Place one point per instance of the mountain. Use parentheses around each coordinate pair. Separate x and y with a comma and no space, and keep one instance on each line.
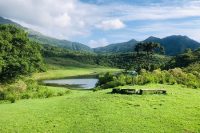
(118,47)
(38,37)
(7,21)
(153,39)
(175,44)
(59,43)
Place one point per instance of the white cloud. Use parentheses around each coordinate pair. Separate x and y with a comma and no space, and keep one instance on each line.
(68,19)
(111,24)
(98,43)
(156,12)
(58,18)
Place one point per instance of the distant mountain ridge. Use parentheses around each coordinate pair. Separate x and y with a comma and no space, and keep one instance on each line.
(173,45)
(38,37)
(118,47)
(6,21)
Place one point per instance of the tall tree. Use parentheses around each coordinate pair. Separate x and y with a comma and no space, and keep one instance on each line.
(149,47)
(18,55)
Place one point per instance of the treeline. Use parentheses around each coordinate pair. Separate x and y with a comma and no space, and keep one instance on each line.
(187,58)
(182,69)
(19,55)
(124,61)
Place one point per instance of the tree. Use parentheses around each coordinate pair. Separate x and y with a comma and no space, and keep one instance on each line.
(144,60)
(149,47)
(18,56)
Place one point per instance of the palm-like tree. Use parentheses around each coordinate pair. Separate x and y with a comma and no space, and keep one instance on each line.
(149,47)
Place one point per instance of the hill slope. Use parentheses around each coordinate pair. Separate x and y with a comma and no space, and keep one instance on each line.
(173,45)
(6,21)
(59,43)
(38,37)
(118,47)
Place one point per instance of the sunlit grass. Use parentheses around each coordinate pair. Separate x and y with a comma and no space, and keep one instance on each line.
(87,111)
(72,71)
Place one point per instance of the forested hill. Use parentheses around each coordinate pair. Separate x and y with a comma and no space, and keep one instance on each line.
(38,37)
(59,43)
(173,45)
(6,21)
(118,47)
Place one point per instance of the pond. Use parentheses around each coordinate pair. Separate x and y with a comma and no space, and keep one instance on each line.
(81,83)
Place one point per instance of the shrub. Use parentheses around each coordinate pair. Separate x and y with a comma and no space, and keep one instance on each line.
(172,76)
(105,78)
(11,98)
(26,96)
(2,95)
(111,84)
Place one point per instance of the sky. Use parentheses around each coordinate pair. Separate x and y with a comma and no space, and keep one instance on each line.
(98,23)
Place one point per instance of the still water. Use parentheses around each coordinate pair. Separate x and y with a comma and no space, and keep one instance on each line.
(85,83)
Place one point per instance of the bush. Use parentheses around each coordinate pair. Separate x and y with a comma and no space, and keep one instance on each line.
(11,98)
(112,84)
(2,95)
(26,96)
(172,76)
(103,79)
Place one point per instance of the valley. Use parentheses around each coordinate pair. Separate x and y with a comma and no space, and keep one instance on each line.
(47,84)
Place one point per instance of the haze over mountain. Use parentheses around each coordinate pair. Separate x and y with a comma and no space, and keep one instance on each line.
(117,47)
(173,45)
(38,37)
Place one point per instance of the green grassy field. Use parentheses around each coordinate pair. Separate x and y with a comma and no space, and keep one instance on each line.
(61,68)
(87,111)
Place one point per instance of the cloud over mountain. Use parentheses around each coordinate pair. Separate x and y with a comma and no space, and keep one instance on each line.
(83,19)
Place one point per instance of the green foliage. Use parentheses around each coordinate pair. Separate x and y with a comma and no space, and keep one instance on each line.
(117,48)
(173,45)
(149,47)
(18,55)
(170,77)
(28,89)
(109,80)
(94,112)
(125,61)
(185,59)
(74,46)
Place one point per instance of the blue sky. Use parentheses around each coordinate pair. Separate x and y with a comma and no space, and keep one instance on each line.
(102,22)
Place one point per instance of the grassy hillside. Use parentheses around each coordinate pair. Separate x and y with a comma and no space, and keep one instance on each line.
(86,111)
(40,38)
(59,43)
(72,71)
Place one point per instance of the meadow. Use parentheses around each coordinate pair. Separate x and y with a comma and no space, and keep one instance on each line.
(101,111)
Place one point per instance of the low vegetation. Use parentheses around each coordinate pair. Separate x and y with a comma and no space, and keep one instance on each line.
(28,89)
(170,77)
(87,111)
(24,63)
